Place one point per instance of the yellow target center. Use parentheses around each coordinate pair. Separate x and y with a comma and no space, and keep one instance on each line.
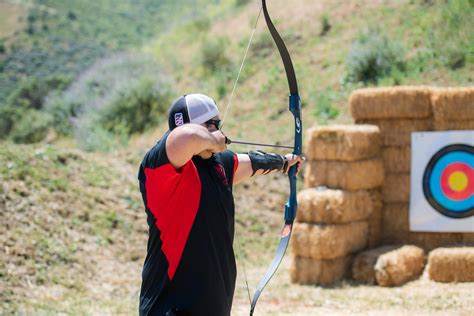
(458,181)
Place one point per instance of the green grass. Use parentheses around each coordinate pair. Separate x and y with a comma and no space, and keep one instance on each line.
(65,37)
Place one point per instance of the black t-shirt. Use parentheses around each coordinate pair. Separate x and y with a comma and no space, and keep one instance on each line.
(190,263)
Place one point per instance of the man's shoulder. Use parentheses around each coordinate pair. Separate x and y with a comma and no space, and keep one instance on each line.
(156,156)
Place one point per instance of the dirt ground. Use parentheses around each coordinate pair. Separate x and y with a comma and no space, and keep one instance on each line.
(420,297)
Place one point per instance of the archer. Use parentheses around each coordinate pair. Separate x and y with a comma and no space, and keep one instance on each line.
(186,181)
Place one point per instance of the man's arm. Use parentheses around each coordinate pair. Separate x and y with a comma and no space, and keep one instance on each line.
(245,169)
(189,140)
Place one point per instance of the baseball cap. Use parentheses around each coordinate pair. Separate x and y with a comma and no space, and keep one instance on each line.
(191,108)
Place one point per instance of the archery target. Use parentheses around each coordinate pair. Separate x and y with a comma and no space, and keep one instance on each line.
(448,181)
(442,182)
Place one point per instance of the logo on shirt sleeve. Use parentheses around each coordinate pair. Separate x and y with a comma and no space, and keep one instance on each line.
(221,172)
(178,119)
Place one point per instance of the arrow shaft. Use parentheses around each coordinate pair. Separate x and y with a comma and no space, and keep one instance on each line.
(260,144)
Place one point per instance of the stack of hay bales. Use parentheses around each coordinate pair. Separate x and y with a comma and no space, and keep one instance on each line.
(389,265)
(339,212)
(399,111)
(453,109)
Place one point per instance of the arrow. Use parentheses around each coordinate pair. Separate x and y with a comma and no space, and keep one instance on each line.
(228,142)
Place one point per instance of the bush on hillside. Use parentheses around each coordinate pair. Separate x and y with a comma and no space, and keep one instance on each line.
(241,3)
(373,56)
(32,127)
(115,98)
(325,25)
(213,55)
(30,95)
(136,109)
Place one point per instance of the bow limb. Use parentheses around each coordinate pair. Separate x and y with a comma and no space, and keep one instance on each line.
(292,204)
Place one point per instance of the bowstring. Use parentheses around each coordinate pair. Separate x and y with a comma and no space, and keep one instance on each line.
(241,259)
(229,103)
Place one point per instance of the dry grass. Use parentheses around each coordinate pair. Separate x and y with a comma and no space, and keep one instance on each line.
(9,18)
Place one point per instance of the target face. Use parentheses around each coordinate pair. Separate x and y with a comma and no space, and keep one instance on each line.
(448,181)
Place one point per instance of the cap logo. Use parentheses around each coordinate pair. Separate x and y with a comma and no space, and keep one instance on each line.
(178,119)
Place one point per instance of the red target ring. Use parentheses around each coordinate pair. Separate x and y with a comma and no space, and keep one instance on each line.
(457,181)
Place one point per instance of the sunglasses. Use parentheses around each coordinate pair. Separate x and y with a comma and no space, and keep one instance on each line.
(216,123)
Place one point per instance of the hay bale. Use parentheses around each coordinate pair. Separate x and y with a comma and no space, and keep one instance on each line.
(455,125)
(328,241)
(374,222)
(325,206)
(390,102)
(395,225)
(451,264)
(363,266)
(342,142)
(396,229)
(399,266)
(453,104)
(396,159)
(397,132)
(467,239)
(321,272)
(396,188)
(346,175)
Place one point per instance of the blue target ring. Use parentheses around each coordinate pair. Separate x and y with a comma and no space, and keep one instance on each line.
(448,181)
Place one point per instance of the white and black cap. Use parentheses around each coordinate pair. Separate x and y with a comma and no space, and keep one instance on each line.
(191,108)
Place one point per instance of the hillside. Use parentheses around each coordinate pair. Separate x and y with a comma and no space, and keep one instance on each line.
(89,82)
(426,37)
(67,233)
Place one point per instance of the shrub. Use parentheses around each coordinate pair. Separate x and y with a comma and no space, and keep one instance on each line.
(241,3)
(136,109)
(325,25)
(30,95)
(213,55)
(373,56)
(93,137)
(116,97)
(32,127)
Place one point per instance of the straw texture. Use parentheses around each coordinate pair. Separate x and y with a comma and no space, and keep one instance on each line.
(342,142)
(392,102)
(352,176)
(451,264)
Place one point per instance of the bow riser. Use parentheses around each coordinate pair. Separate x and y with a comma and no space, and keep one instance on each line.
(292,204)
